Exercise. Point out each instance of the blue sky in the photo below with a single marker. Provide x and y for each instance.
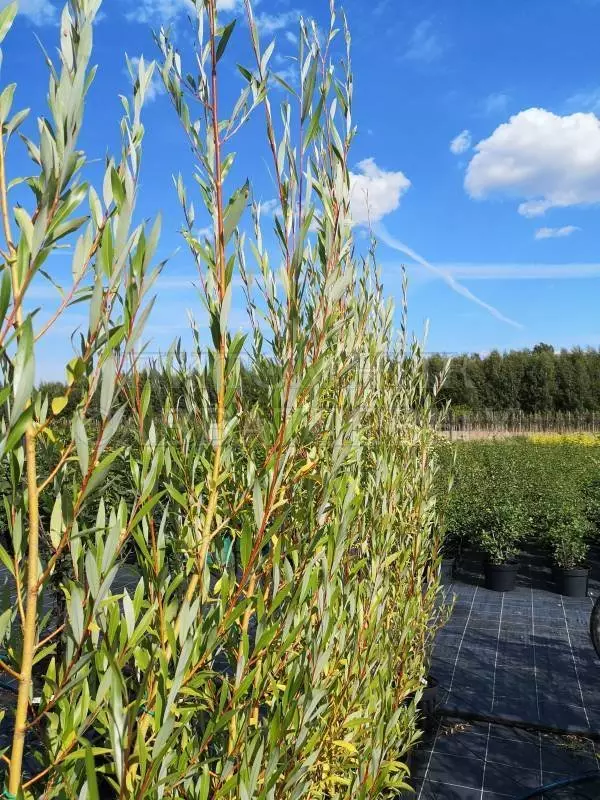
(478, 150)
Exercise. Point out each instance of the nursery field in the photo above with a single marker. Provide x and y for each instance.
(507, 494)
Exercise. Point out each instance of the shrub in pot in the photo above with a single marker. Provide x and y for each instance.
(591, 499)
(499, 538)
(568, 538)
(450, 555)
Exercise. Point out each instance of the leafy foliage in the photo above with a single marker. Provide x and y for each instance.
(568, 536)
(244, 583)
(506, 491)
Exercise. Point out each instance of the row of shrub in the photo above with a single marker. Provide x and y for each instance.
(507, 492)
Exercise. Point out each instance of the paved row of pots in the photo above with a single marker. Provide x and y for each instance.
(503, 577)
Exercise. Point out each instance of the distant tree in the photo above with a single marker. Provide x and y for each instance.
(539, 379)
(531, 381)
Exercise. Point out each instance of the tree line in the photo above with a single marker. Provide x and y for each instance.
(540, 380)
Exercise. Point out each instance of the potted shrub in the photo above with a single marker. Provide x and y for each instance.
(568, 537)
(450, 554)
(499, 538)
(591, 498)
(447, 568)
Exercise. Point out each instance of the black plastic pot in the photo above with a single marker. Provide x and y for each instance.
(447, 570)
(572, 582)
(501, 577)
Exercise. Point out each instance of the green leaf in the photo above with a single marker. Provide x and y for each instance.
(284, 84)
(6, 99)
(75, 610)
(24, 371)
(12, 125)
(56, 519)
(7, 17)
(5, 290)
(228, 30)
(164, 734)
(95, 207)
(314, 126)
(96, 304)
(90, 774)
(59, 404)
(6, 560)
(65, 228)
(5, 623)
(81, 443)
(257, 502)
(146, 395)
(17, 430)
(107, 389)
(117, 187)
(152, 240)
(91, 573)
(246, 73)
(25, 224)
(235, 209)
(308, 89)
(99, 473)
(111, 429)
(128, 613)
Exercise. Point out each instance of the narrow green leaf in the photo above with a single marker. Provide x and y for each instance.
(17, 431)
(117, 187)
(80, 438)
(225, 36)
(308, 89)
(107, 386)
(56, 519)
(99, 473)
(257, 502)
(75, 610)
(24, 370)
(235, 209)
(90, 774)
(7, 17)
(314, 126)
(5, 290)
(111, 428)
(6, 100)
(13, 124)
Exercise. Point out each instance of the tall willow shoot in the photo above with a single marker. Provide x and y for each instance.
(249, 616)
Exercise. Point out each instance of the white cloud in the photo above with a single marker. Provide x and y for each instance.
(268, 24)
(269, 207)
(165, 11)
(156, 88)
(461, 143)
(424, 44)
(375, 192)
(556, 233)
(495, 103)
(548, 160)
(40, 12)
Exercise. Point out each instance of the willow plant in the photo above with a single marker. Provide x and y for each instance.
(58, 705)
(314, 633)
(268, 636)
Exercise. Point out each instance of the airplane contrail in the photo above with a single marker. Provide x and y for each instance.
(457, 287)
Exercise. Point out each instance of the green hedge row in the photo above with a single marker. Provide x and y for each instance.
(508, 491)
